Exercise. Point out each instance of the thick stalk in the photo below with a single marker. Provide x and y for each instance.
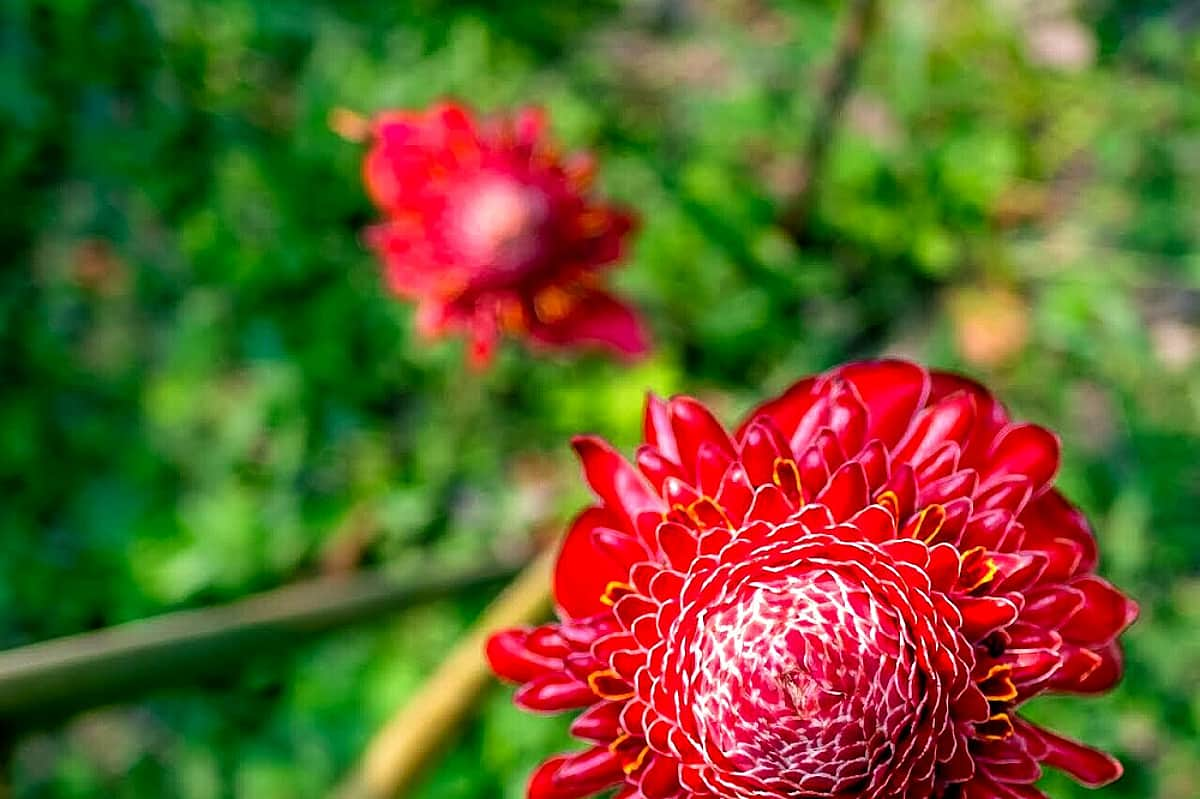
(41, 682)
(397, 755)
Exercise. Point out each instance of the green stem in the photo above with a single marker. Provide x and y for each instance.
(856, 32)
(44, 681)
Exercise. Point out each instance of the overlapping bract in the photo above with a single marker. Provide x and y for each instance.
(849, 597)
(489, 230)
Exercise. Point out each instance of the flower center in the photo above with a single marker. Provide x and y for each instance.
(498, 223)
(806, 695)
(789, 650)
(793, 667)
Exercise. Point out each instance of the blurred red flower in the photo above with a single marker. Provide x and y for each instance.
(849, 597)
(489, 230)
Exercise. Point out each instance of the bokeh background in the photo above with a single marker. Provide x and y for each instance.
(206, 391)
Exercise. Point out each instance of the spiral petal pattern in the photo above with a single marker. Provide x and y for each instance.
(850, 596)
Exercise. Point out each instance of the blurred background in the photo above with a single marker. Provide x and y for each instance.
(207, 392)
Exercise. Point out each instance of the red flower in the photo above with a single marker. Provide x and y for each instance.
(850, 597)
(489, 230)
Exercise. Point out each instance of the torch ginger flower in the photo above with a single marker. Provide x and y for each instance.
(851, 596)
(490, 231)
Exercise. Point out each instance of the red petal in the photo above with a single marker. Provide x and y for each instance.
(623, 548)
(583, 572)
(655, 466)
(762, 445)
(1051, 607)
(770, 505)
(1102, 675)
(711, 464)
(679, 494)
(596, 318)
(678, 544)
(1008, 762)
(656, 427)
(736, 493)
(552, 693)
(549, 641)
(875, 524)
(632, 607)
(848, 420)
(1010, 494)
(1105, 613)
(990, 415)
(787, 410)
(621, 487)
(909, 551)
(1022, 449)
(940, 464)
(944, 563)
(960, 485)
(541, 782)
(984, 787)
(846, 492)
(593, 770)
(876, 463)
(982, 615)
(1032, 667)
(899, 495)
(812, 472)
(694, 426)
(660, 779)
(575, 776)
(1079, 664)
(1054, 525)
(892, 390)
(1089, 766)
(950, 420)
(987, 530)
(529, 124)
(599, 724)
(815, 420)
(1017, 571)
(512, 660)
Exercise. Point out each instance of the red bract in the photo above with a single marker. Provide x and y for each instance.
(489, 230)
(849, 597)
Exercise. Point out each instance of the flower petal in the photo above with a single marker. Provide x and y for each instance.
(595, 318)
(583, 571)
(511, 659)
(1105, 613)
(1022, 449)
(1089, 766)
(621, 488)
(892, 390)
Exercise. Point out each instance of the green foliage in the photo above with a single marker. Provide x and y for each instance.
(204, 381)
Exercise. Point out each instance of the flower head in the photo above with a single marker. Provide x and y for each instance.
(851, 596)
(489, 230)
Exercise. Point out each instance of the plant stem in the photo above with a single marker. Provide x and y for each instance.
(42, 682)
(396, 756)
(861, 17)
